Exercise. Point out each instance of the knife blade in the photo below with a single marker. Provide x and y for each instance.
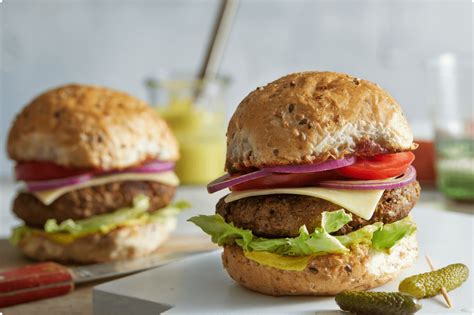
(49, 279)
(82, 274)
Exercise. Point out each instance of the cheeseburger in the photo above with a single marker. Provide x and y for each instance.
(97, 167)
(319, 169)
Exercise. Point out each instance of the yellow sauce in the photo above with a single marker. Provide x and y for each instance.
(201, 137)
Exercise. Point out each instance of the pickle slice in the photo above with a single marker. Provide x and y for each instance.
(375, 303)
(429, 284)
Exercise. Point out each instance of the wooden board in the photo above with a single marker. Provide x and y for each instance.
(80, 301)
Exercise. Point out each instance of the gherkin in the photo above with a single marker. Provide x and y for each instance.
(429, 284)
(377, 303)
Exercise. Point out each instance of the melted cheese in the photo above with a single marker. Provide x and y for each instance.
(360, 202)
(47, 197)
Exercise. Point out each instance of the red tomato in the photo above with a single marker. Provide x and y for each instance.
(276, 180)
(44, 170)
(378, 167)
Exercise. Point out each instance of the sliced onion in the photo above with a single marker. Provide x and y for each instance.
(312, 168)
(227, 180)
(57, 183)
(406, 178)
(152, 167)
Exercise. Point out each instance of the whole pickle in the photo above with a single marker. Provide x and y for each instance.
(375, 303)
(429, 284)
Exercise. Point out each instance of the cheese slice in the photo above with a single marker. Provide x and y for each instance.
(360, 202)
(47, 197)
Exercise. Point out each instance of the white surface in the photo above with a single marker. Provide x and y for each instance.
(200, 285)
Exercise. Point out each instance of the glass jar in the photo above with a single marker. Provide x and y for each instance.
(450, 88)
(195, 111)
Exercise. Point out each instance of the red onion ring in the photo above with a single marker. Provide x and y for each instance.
(227, 180)
(406, 178)
(312, 168)
(57, 183)
(152, 167)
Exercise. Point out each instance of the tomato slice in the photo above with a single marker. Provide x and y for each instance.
(276, 180)
(378, 167)
(30, 171)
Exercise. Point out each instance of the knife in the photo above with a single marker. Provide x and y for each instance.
(45, 280)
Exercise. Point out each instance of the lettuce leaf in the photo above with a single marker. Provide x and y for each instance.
(18, 233)
(103, 222)
(389, 234)
(306, 244)
(69, 230)
(333, 221)
(169, 211)
(299, 263)
(318, 242)
(221, 232)
(362, 235)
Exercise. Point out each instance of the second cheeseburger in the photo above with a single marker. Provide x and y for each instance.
(319, 168)
(97, 167)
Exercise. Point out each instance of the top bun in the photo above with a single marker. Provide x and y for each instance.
(90, 127)
(310, 117)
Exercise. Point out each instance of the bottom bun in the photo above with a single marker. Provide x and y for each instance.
(363, 268)
(119, 244)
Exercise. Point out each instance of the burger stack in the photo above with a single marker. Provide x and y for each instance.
(321, 188)
(96, 167)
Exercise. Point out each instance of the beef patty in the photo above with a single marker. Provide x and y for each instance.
(86, 202)
(282, 215)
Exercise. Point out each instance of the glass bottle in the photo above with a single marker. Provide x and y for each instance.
(195, 111)
(451, 87)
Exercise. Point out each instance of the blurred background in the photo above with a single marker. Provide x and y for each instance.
(45, 43)
(420, 51)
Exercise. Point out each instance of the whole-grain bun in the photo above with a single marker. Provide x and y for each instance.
(86, 126)
(310, 117)
(119, 244)
(362, 269)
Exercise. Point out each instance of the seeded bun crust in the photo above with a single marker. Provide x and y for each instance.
(119, 244)
(310, 117)
(361, 269)
(90, 127)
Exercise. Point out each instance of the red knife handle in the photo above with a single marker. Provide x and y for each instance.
(34, 282)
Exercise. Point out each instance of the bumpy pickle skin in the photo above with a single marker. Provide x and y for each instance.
(377, 303)
(429, 284)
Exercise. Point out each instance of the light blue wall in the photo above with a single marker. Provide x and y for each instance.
(119, 43)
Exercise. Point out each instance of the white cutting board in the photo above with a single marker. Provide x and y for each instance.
(199, 284)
